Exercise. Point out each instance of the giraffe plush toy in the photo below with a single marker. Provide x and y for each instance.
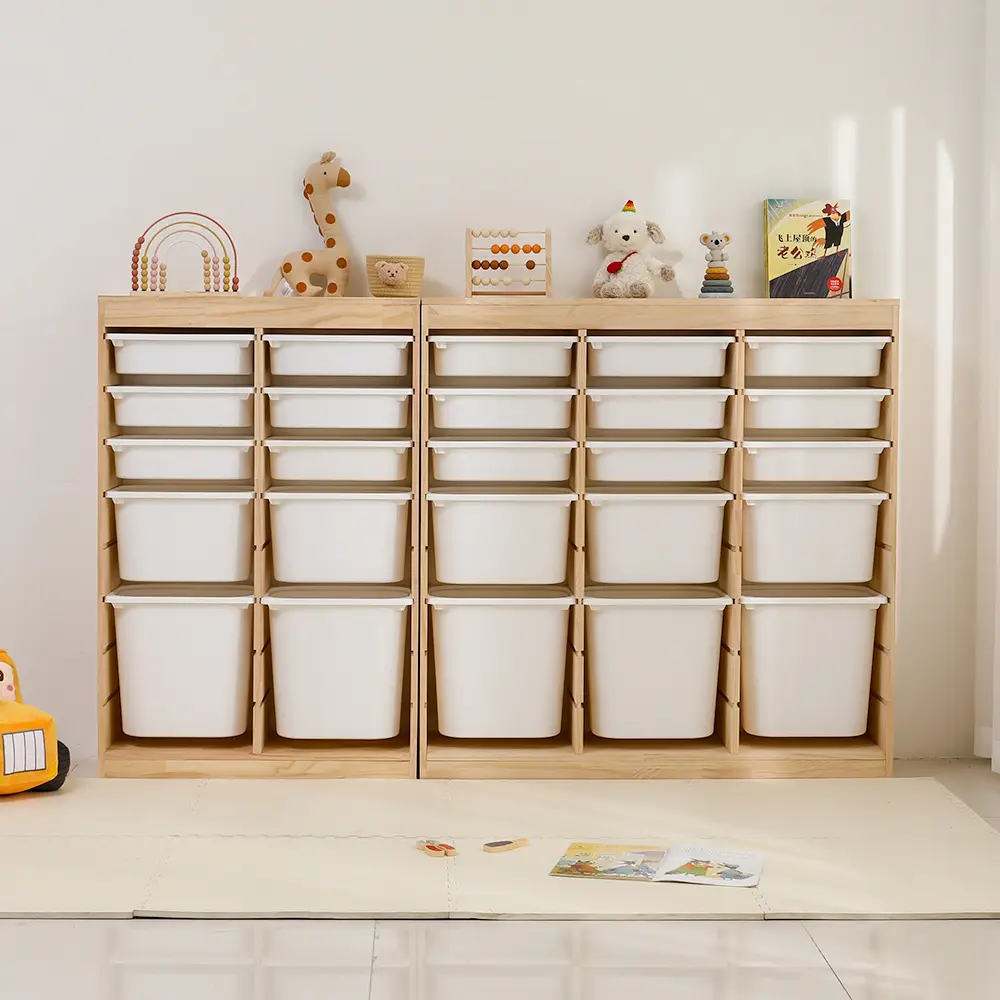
(326, 271)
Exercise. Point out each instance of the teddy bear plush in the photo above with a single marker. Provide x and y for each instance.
(391, 272)
(630, 267)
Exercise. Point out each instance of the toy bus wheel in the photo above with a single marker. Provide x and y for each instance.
(60, 779)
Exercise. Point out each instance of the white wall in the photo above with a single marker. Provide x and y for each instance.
(451, 114)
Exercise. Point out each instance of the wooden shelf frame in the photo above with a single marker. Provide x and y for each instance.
(730, 752)
(260, 752)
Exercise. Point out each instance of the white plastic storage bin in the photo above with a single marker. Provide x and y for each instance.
(668, 649)
(183, 353)
(695, 461)
(501, 356)
(318, 460)
(337, 664)
(346, 537)
(650, 537)
(815, 356)
(184, 659)
(848, 461)
(657, 409)
(658, 357)
(501, 461)
(182, 406)
(339, 408)
(807, 663)
(330, 354)
(798, 537)
(830, 409)
(184, 536)
(500, 665)
(182, 458)
(503, 409)
(501, 537)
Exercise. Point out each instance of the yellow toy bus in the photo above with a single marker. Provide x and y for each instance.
(31, 758)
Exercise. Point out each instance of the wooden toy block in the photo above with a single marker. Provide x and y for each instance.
(502, 846)
(507, 262)
(435, 849)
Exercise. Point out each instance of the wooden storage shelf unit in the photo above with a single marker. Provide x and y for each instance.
(729, 752)
(259, 752)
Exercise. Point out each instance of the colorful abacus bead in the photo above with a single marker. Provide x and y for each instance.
(163, 277)
(236, 283)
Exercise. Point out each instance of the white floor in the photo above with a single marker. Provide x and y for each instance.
(455, 960)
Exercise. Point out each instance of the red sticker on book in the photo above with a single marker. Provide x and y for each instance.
(835, 285)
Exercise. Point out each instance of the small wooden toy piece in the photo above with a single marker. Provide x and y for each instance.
(149, 269)
(436, 849)
(717, 284)
(326, 271)
(501, 846)
(507, 262)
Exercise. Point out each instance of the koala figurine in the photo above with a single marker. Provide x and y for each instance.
(391, 272)
(716, 243)
(629, 267)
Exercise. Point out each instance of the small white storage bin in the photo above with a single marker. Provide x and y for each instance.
(673, 537)
(182, 458)
(695, 461)
(503, 409)
(815, 356)
(807, 662)
(500, 665)
(657, 409)
(501, 356)
(185, 536)
(848, 461)
(183, 353)
(501, 461)
(339, 408)
(797, 537)
(658, 357)
(501, 537)
(183, 660)
(182, 406)
(324, 354)
(337, 663)
(344, 537)
(831, 409)
(318, 460)
(668, 649)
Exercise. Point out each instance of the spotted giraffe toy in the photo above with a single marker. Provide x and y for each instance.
(326, 271)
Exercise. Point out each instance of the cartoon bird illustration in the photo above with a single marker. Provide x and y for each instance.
(833, 224)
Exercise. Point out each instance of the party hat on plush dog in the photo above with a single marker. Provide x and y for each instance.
(628, 206)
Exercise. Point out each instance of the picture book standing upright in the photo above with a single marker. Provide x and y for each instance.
(807, 253)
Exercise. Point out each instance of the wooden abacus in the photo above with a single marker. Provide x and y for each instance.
(149, 270)
(507, 262)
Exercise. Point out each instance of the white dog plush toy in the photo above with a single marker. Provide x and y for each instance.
(629, 268)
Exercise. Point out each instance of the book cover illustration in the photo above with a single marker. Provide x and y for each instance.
(807, 252)
(612, 861)
(709, 866)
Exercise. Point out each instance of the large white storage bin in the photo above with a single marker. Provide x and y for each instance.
(347, 537)
(848, 461)
(831, 409)
(807, 663)
(315, 354)
(337, 664)
(184, 536)
(815, 356)
(500, 537)
(658, 357)
(182, 458)
(183, 353)
(501, 356)
(183, 661)
(501, 461)
(665, 647)
(182, 406)
(503, 409)
(339, 408)
(657, 409)
(798, 537)
(318, 460)
(655, 537)
(500, 665)
(695, 461)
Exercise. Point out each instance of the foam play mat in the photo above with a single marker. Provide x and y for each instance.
(315, 848)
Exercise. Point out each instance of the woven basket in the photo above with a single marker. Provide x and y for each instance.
(409, 289)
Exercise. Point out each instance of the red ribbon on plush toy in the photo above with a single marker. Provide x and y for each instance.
(616, 265)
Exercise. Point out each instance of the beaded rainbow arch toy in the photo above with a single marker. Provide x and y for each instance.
(149, 269)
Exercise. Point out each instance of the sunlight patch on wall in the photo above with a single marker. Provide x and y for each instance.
(845, 157)
(944, 343)
(897, 201)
